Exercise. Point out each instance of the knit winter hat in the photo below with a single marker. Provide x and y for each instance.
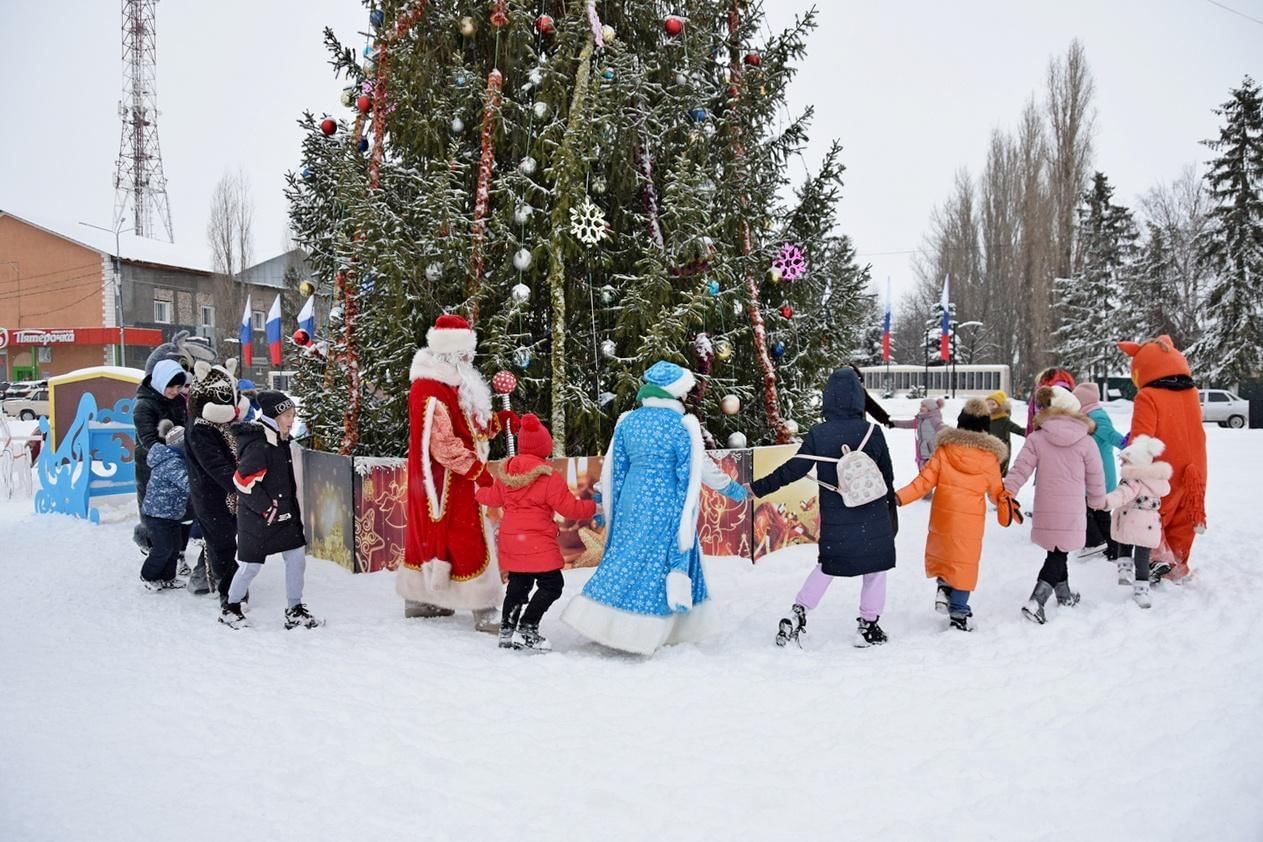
(975, 416)
(931, 404)
(533, 439)
(451, 335)
(246, 386)
(1087, 393)
(167, 373)
(1142, 450)
(272, 403)
(670, 378)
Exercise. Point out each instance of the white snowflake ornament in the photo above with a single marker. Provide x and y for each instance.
(587, 223)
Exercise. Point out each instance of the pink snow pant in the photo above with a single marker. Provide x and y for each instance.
(872, 592)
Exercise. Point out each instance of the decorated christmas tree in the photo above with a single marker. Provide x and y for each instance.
(594, 187)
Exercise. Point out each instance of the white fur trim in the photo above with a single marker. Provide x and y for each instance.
(679, 590)
(218, 413)
(438, 574)
(473, 595)
(683, 385)
(1062, 398)
(607, 479)
(687, 532)
(426, 367)
(663, 403)
(451, 341)
(1143, 450)
(640, 634)
(434, 501)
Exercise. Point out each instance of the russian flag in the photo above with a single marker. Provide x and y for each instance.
(274, 332)
(246, 336)
(307, 317)
(885, 327)
(945, 329)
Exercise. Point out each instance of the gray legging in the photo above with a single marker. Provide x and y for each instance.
(295, 567)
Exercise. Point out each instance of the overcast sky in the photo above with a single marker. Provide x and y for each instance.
(912, 89)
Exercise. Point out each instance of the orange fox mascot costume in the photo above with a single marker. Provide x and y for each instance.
(1167, 408)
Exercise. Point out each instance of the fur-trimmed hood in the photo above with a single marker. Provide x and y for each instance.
(1044, 415)
(521, 471)
(978, 441)
(1152, 471)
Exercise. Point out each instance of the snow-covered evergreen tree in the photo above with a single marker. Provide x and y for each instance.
(1231, 348)
(1088, 302)
(595, 186)
(1150, 297)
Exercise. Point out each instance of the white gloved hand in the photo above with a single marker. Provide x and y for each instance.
(679, 591)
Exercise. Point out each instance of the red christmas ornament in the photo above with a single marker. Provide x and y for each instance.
(753, 59)
(504, 383)
(545, 25)
(787, 311)
(674, 25)
(364, 103)
(301, 337)
(500, 14)
(328, 125)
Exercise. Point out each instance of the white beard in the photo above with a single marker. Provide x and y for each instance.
(472, 391)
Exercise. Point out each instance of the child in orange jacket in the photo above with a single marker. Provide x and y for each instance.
(965, 468)
(530, 491)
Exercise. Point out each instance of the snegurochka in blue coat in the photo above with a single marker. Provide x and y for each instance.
(649, 590)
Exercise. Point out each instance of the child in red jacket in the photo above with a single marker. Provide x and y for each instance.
(529, 492)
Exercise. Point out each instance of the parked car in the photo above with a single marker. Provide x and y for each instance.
(1224, 408)
(22, 389)
(28, 408)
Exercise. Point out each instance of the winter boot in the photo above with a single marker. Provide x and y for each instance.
(300, 616)
(182, 566)
(141, 536)
(232, 616)
(793, 626)
(528, 637)
(1158, 570)
(964, 622)
(869, 633)
(159, 585)
(508, 627)
(1140, 594)
(199, 579)
(1126, 571)
(1065, 597)
(1033, 610)
(485, 620)
(943, 597)
(424, 609)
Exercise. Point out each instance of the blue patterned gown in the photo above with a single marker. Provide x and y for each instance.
(652, 484)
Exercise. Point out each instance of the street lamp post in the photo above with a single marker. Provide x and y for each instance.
(118, 288)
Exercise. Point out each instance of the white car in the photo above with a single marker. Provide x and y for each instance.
(34, 405)
(1224, 408)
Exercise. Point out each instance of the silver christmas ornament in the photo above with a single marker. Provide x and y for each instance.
(527, 166)
(434, 272)
(609, 349)
(522, 214)
(520, 293)
(607, 294)
(681, 79)
(791, 426)
(522, 259)
(458, 125)
(737, 441)
(730, 404)
(535, 76)
(522, 358)
(541, 109)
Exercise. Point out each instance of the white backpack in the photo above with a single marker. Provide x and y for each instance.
(859, 479)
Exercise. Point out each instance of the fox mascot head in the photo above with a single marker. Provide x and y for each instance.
(1154, 360)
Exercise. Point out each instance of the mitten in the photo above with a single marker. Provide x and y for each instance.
(484, 477)
(679, 591)
(509, 420)
(735, 491)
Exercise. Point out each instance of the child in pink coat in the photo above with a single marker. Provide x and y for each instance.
(927, 422)
(1136, 503)
(1061, 451)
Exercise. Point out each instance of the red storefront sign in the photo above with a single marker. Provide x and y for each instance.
(149, 337)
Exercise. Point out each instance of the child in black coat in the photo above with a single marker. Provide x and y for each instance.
(268, 517)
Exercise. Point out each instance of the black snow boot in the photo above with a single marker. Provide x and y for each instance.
(508, 626)
(1066, 598)
(528, 637)
(869, 633)
(792, 626)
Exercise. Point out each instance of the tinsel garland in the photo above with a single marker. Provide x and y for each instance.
(567, 185)
(482, 197)
(403, 25)
(649, 195)
(771, 402)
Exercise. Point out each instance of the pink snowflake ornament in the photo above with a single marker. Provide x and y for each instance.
(791, 262)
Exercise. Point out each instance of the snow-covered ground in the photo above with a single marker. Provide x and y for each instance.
(131, 716)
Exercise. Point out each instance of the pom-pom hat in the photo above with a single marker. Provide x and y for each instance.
(533, 439)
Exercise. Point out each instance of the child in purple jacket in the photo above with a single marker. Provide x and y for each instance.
(1061, 453)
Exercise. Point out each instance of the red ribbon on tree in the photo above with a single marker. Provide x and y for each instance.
(482, 197)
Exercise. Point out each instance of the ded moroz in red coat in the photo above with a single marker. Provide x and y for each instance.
(530, 491)
(448, 560)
